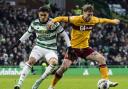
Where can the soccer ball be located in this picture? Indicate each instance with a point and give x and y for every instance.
(103, 84)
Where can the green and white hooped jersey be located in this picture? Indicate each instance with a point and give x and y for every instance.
(46, 38)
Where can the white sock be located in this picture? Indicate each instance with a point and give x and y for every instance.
(24, 73)
(47, 72)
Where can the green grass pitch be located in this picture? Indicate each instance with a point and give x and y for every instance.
(68, 82)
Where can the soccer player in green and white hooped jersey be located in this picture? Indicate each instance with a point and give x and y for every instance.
(46, 45)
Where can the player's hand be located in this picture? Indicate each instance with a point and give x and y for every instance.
(71, 53)
(50, 25)
(15, 45)
(117, 21)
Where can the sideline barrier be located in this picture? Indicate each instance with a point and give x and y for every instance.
(8, 70)
(95, 71)
(11, 70)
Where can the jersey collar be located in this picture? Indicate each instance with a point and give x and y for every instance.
(85, 19)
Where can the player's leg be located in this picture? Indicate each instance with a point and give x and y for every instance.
(25, 72)
(68, 60)
(59, 73)
(102, 65)
(34, 56)
(52, 60)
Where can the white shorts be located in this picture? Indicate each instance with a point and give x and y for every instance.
(39, 52)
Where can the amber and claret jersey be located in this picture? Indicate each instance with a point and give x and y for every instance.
(81, 29)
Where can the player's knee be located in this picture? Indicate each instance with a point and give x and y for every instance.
(65, 68)
(101, 60)
(53, 61)
(61, 70)
(31, 61)
(59, 73)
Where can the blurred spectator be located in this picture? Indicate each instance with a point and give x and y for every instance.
(77, 10)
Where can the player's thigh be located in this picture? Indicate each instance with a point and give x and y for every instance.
(96, 56)
(36, 53)
(51, 57)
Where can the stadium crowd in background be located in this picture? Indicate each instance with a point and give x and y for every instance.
(112, 43)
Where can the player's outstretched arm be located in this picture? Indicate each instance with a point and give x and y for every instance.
(112, 21)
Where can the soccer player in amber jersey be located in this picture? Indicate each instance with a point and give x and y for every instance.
(81, 28)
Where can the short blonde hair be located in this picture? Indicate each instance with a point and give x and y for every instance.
(88, 7)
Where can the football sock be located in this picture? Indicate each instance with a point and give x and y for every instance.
(24, 73)
(104, 71)
(47, 72)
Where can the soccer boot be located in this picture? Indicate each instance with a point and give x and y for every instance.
(50, 87)
(36, 85)
(112, 84)
(17, 87)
